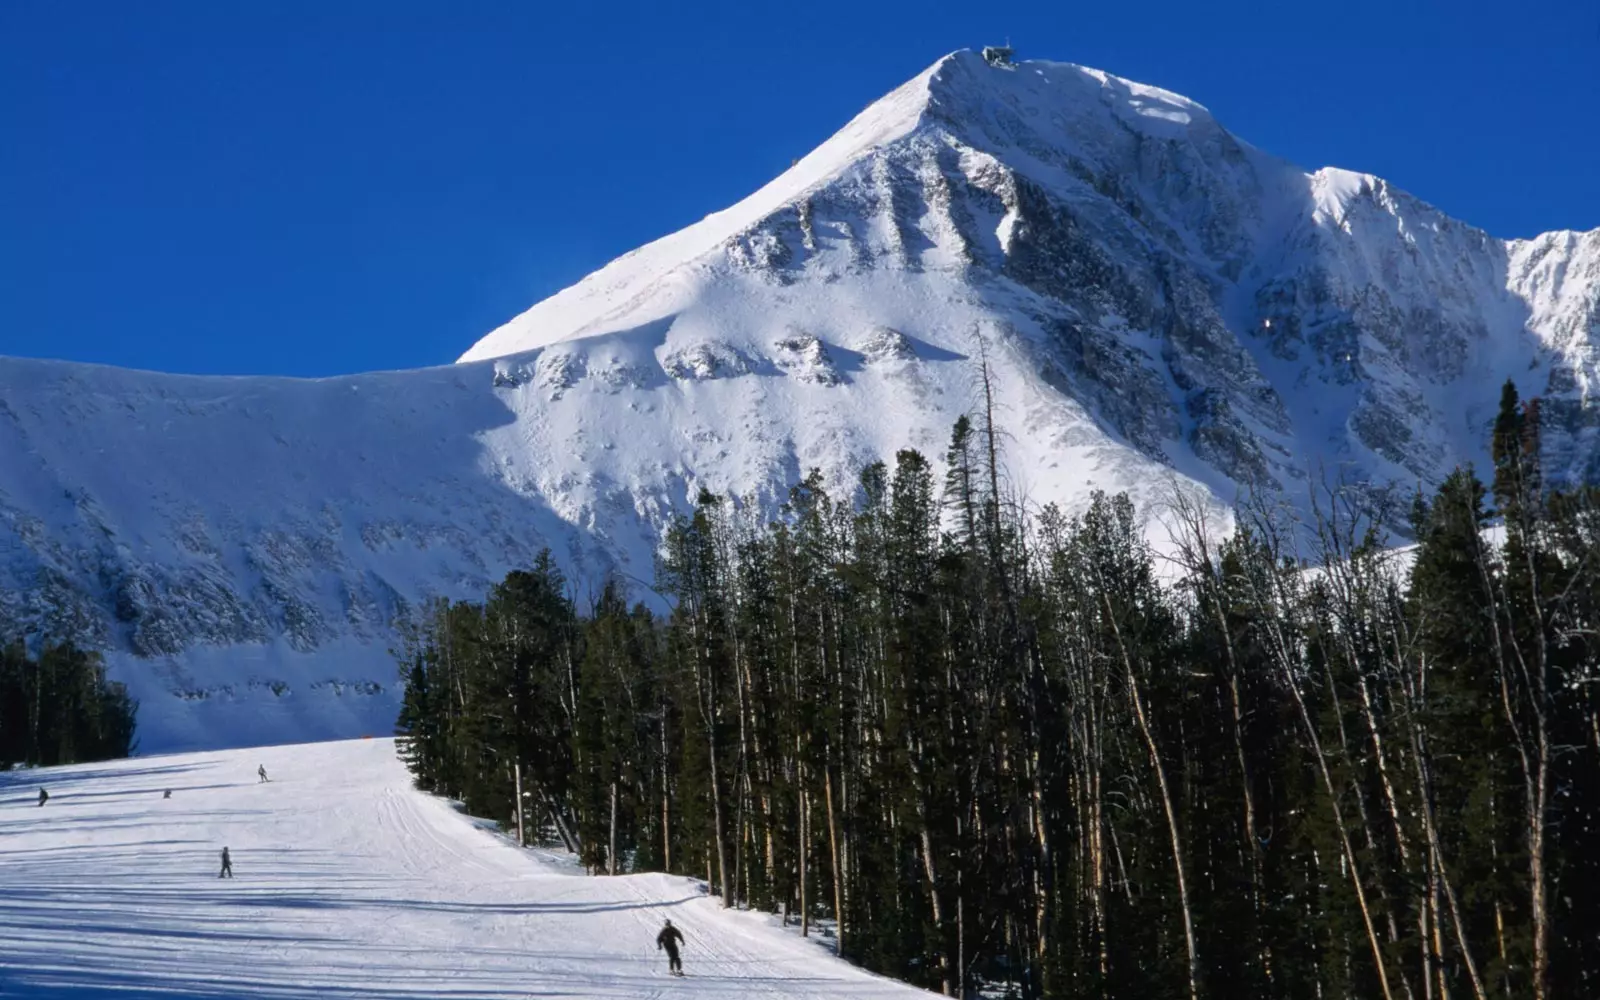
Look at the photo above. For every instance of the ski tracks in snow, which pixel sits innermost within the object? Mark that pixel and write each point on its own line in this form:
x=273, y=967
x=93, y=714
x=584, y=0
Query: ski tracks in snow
x=350, y=884
x=423, y=850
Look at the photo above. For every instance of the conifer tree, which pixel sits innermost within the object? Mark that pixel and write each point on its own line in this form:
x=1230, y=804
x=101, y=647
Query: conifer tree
x=59, y=707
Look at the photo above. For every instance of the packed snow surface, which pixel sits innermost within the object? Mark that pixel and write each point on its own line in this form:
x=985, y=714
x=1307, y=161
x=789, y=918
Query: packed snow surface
x=348, y=884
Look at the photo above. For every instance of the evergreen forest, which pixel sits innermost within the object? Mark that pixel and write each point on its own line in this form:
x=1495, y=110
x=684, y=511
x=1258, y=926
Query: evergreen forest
x=59, y=708
x=992, y=748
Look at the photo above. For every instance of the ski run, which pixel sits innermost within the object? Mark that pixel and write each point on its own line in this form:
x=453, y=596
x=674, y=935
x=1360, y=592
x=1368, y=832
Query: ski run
x=348, y=883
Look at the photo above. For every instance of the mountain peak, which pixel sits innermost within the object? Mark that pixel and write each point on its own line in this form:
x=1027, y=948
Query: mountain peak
x=1046, y=114
x=587, y=306
x=1043, y=200
x=1049, y=94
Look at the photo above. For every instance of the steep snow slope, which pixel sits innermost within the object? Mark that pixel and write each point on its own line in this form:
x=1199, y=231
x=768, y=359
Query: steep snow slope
x=347, y=883
x=1157, y=301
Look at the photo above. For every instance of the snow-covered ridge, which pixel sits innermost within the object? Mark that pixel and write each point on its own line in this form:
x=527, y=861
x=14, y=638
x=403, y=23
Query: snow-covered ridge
x=1159, y=301
x=610, y=296
x=611, y=291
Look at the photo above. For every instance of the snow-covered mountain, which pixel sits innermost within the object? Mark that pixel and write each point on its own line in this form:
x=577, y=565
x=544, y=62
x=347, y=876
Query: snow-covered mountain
x=1156, y=299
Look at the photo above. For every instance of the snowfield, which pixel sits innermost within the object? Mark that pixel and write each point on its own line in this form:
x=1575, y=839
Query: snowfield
x=348, y=884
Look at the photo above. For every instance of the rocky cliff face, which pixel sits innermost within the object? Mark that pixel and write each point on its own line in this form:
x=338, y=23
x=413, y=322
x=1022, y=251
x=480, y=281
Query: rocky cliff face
x=1157, y=300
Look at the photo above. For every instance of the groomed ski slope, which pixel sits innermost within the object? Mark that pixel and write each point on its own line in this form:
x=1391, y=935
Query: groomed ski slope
x=348, y=884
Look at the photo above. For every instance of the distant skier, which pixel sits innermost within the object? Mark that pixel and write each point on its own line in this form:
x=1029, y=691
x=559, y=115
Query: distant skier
x=44, y=796
x=261, y=773
x=669, y=939
x=227, y=865
x=167, y=794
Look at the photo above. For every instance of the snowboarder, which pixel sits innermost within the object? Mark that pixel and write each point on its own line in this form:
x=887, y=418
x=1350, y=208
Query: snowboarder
x=669, y=939
x=227, y=865
x=261, y=773
x=44, y=796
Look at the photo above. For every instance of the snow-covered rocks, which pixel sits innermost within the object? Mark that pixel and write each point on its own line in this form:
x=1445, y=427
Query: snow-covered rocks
x=707, y=360
x=885, y=345
x=803, y=356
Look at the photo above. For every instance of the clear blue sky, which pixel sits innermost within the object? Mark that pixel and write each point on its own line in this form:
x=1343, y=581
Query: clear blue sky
x=309, y=188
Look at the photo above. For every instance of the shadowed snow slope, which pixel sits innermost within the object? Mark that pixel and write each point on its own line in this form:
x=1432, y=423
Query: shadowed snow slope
x=348, y=883
x=1158, y=300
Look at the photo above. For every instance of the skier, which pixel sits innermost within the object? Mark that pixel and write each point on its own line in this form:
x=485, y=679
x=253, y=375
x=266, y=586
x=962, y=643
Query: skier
x=261, y=773
x=227, y=865
x=167, y=794
x=669, y=938
x=44, y=796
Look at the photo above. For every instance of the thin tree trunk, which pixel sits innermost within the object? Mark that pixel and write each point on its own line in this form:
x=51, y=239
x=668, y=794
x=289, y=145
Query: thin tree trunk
x=838, y=874
x=805, y=909
x=666, y=805
x=769, y=852
x=1042, y=847
x=741, y=890
x=611, y=851
x=1538, y=891
x=934, y=903
x=522, y=840
x=717, y=822
x=1539, y=807
x=961, y=938
x=1166, y=802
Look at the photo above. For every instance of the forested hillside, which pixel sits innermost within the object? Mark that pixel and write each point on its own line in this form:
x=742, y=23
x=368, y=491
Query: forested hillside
x=60, y=708
x=988, y=745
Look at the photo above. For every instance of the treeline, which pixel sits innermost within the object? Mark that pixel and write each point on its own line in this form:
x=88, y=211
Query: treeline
x=59, y=707
x=995, y=749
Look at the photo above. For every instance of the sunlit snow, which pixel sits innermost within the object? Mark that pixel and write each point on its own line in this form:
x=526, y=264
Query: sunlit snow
x=347, y=884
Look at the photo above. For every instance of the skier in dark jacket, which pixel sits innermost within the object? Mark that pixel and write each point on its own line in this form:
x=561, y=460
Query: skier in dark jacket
x=669, y=938
x=44, y=796
x=261, y=773
x=227, y=865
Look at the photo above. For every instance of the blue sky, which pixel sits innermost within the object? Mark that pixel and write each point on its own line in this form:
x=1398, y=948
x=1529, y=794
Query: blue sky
x=306, y=188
